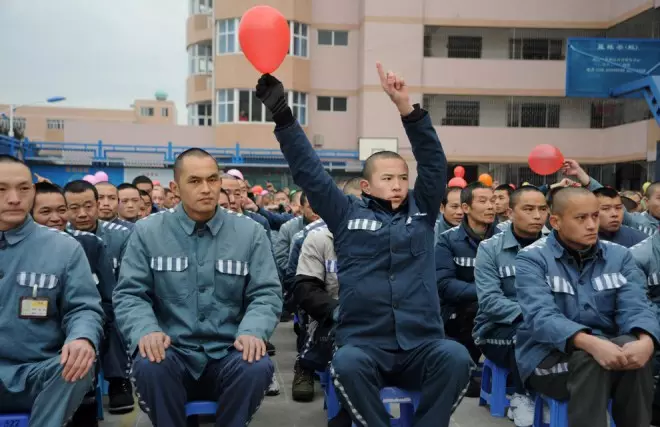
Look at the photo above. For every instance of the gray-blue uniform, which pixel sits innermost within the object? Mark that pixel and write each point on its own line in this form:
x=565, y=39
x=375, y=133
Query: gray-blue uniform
x=441, y=225
x=126, y=224
x=203, y=285
x=389, y=324
x=624, y=236
x=647, y=256
x=114, y=357
x=262, y=221
x=499, y=313
x=600, y=291
x=46, y=263
x=282, y=245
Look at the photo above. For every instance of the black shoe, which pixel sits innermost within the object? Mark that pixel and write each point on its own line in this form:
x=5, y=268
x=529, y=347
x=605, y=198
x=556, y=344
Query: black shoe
x=85, y=416
x=303, y=384
x=655, y=415
x=120, y=394
x=474, y=389
x=270, y=349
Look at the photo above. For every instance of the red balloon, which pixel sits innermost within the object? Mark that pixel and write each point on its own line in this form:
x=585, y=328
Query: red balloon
x=545, y=159
x=264, y=37
x=459, y=171
x=457, y=181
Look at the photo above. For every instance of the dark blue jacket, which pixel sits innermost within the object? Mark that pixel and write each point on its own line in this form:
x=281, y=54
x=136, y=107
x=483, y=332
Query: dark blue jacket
x=626, y=236
x=388, y=298
x=455, y=255
x=101, y=266
x=275, y=220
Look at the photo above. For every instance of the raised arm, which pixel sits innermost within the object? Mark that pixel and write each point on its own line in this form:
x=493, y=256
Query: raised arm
x=324, y=196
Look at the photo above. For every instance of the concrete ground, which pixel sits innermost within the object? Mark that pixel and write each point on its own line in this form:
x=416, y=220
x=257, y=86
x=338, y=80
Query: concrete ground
x=282, y=411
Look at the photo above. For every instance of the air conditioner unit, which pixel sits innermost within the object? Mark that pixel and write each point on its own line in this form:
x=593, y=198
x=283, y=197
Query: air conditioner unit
x=317, y=141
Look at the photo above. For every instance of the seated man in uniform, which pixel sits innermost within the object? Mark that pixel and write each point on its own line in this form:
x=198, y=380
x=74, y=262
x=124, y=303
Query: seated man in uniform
x=389, y=330
x=51, y=321
x=198, y=296
x=50, y=210
x=82, y=201
x=588, y=331
x=611, y=226
x=499, y=313
x=451, y=211
x=455, y=252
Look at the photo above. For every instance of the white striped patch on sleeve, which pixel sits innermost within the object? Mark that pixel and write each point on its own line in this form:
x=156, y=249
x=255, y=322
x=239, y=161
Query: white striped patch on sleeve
x=654, y=279
x=227, y=266
x=560, y=285
x=169, y=263
x=507, y=271
x=609, y=281
x=559, y=368
x=364, y=224
x=464, y=261
x=40, y=280
x=331, y=265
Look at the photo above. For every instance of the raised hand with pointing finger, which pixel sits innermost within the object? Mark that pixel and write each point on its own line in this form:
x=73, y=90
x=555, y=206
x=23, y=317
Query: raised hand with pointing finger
x=395, y=87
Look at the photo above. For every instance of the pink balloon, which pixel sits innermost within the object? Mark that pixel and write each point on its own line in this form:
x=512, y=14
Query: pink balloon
x=90, y=178
x=156, y=182
x=457, y=182
x=101, y=176
x=459, y=172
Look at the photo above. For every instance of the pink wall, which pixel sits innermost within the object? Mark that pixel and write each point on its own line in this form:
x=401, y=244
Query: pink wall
x=337, y=12
x=400, y=47
x=618, y=7
x=517, y=75
x=335, y=68
x=339, y=129
x=408, y=8
x=136, y=134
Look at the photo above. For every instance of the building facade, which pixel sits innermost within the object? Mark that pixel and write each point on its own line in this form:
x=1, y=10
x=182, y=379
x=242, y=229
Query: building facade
x=492, y=75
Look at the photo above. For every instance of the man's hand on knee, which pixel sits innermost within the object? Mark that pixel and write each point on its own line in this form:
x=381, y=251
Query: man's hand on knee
x=253, y=348
x=638, y=352
x=78, y=356
x=153, y=346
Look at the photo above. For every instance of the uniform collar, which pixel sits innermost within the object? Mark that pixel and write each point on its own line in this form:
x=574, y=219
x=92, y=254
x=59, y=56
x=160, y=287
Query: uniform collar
x=188, y=224
x=509, y=238
x=471, y=235
x=99, y=231
x=559, y=251
x=16, y=235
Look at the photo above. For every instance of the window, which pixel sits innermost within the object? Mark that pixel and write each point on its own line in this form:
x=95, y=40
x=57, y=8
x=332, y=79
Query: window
x=55, y=123
x=298, y=103
x=299, y=39
x=331, y=103
x=464, y=47
x=228, y=36
x=147, y=111
x=536, y=49
x=200, y=115
x=461, y=113
x=250, y=109
x=165, y=112
x=200, y=57
x=226, y=105
x=333, y=38
x=201, y=6
x=242, y=105
x=532, y=115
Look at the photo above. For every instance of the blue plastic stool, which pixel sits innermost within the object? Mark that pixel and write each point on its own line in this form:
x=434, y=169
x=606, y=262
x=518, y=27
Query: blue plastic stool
x=14, y=420
x=200, y=407
x=408, y=403
x=324, y=379
x=558, y=412
x=493, y=389
x=99, y=397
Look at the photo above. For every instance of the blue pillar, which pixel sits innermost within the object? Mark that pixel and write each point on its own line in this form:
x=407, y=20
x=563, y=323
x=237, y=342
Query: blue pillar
x=169, y=156
x=100, y=155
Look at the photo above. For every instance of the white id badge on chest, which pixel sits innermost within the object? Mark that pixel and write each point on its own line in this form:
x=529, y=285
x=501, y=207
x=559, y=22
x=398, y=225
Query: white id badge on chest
x=33, y=307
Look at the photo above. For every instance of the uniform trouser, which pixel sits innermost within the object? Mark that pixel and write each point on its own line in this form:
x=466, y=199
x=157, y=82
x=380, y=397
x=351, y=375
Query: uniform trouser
x=656, y=374
x=588, y=387
x=164, y=388
x=47, y=396
x=114, y=357
x=498, y=345
x=439, y=369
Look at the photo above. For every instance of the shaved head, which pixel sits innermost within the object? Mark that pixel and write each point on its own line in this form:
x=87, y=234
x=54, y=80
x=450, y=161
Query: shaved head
x=562, y=199
x=191, y=152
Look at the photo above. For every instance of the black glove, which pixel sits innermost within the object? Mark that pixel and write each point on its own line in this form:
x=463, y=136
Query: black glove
x=270, y=92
